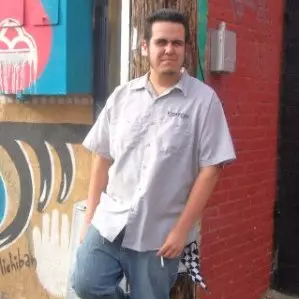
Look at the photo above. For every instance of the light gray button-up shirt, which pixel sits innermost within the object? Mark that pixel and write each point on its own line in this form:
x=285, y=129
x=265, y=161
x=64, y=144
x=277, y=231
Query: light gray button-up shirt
x=158, y=145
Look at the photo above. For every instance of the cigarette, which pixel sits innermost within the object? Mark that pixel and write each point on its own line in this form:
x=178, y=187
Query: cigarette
x=162, y=261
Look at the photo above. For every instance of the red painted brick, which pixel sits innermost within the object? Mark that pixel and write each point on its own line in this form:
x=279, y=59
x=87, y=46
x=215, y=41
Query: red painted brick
x=237, y=226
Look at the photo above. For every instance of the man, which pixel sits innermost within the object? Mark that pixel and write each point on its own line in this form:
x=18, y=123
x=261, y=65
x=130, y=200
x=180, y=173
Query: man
x=160, y=143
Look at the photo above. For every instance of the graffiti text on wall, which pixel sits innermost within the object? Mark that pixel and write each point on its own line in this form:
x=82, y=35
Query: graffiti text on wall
x=16, y=262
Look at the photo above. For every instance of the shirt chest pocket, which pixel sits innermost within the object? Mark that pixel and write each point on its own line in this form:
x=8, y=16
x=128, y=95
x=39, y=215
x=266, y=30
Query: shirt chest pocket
x=174, y=135
x=125, y=133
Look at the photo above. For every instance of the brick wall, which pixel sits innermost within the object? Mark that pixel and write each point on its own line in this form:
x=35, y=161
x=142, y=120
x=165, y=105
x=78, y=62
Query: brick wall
x=238, y=223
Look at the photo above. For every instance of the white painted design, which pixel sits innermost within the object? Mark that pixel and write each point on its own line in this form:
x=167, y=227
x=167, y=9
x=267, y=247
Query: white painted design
x=43, y=195
x=52, y=252
x=14, y=63
x=52, y=176
x=65, y=196
x=63, y=193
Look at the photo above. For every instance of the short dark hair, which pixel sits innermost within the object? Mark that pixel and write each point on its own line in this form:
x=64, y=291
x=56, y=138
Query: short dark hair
x=166, y=15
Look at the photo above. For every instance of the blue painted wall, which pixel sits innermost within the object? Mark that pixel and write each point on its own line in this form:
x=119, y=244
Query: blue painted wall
x=69, y=70
x=2, y=199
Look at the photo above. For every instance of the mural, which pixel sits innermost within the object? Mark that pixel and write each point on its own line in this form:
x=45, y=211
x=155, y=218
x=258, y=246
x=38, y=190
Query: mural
x=43, y=168
x=24, y=47
x=14, y=139
x=43, y=172
x=39, y=50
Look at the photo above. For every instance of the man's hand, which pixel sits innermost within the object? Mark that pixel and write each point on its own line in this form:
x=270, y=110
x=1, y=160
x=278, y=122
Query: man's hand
x=174, y=244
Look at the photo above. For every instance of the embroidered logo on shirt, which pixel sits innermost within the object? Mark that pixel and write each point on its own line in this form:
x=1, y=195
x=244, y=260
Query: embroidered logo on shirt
x=177, y=114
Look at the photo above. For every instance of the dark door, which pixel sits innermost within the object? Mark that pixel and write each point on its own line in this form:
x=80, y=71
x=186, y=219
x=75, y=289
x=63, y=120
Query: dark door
x=286, y=272
x=101, y=56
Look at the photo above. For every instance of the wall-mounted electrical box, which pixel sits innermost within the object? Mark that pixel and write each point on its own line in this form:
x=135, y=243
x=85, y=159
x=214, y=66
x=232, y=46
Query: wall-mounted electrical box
x=46, y=47
x=223, y=50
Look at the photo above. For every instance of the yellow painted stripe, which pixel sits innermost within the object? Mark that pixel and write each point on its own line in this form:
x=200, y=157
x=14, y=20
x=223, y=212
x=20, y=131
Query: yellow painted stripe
x=47, y=114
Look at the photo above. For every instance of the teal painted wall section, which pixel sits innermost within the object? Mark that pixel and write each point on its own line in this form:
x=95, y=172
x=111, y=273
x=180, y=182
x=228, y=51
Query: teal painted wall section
x=69, y=70
x=2, y=200
x=79, y=46
x=202, y=30
x=53, y=80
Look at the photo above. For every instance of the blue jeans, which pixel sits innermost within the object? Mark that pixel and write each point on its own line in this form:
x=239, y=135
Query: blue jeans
x=101, y=265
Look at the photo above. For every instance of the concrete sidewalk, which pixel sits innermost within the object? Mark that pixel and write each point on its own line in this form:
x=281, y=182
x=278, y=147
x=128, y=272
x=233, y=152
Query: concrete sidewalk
x=276, y=295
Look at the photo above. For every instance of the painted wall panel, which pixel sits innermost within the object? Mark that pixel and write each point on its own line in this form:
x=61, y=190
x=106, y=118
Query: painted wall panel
x=39, y=48
x=13, y=9
x=43, y=171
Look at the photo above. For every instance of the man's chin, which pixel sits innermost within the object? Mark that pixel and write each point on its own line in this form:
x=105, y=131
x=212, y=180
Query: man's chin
x=169, y=72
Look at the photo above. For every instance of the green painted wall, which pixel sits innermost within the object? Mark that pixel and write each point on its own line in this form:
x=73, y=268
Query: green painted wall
x=202, y=10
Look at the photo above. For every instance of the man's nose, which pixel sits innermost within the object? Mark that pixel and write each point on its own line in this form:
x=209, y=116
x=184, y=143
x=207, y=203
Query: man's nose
x=169, y=48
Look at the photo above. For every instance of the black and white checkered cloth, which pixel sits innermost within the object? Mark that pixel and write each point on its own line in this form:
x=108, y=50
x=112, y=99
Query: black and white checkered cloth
x=190, y=260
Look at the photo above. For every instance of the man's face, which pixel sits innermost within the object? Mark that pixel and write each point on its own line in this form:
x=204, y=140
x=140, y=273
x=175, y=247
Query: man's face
x=166, y=48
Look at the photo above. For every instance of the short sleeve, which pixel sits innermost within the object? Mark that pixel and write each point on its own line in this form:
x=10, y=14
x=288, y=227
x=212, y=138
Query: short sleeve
x=98, y=139
x=215, y=142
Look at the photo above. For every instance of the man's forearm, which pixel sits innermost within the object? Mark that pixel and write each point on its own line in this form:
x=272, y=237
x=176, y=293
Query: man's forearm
x=199, y=195
x=98, y=183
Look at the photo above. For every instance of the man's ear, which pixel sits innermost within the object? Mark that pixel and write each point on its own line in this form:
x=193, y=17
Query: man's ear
x=144, y=48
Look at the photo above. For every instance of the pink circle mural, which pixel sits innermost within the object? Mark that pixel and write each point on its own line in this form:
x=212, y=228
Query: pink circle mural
x=25, y=44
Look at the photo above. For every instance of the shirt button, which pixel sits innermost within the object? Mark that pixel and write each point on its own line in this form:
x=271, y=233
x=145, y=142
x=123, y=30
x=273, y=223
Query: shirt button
x=148, y=145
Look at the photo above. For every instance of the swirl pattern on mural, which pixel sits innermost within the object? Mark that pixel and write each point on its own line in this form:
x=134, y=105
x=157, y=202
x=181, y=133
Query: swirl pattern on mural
x=19, y=142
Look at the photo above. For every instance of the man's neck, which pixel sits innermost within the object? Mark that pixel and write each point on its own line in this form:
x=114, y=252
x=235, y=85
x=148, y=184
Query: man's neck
x=162, y=83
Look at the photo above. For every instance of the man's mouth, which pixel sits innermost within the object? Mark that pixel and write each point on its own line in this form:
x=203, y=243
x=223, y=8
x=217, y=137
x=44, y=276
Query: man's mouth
x=168, y=61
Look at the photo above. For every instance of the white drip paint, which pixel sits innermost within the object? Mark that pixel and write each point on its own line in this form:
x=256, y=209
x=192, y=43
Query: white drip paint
x=15, y=62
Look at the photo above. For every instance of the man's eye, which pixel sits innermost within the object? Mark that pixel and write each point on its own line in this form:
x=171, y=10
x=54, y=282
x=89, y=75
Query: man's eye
x=161, y=42
x=177, y=43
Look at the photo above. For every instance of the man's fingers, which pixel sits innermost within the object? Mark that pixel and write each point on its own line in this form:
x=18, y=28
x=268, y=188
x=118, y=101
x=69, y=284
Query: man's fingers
x=173, y=253
x=163, y=250
x=169, y=252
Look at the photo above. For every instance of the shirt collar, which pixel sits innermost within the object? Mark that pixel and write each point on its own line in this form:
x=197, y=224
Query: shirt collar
x=142, y=83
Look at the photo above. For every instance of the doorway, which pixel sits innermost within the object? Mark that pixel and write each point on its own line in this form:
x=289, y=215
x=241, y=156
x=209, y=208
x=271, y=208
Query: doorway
x=286, y=266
